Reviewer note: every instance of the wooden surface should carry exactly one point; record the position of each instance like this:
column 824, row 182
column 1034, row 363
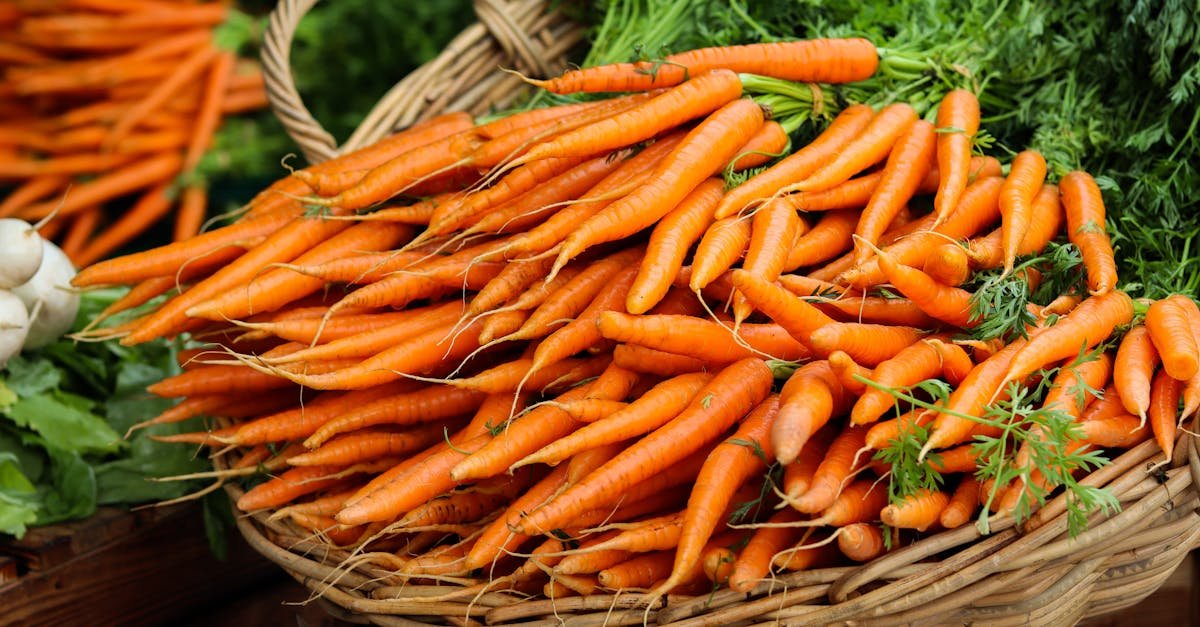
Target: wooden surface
column 119, row 568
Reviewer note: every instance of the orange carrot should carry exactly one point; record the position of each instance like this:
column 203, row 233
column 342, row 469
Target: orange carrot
column 716, row 407
column 1093, row 321
column 840, row 460
column 774, row 228
column 911, row 158
column 799, row 318
column 811, row 60
column 914, row 364
column 1016, row 201
column 648, row 412
column 152, row 206
column 870, row 147
column 702, row 339
column 1134, row 369
column 957, row 124
column 868, row 344
column 731, row 463
column 811, row 396
column 962, row 504
column 831, row 236
column 852, row 120
column 669, row 244
column 1086, row 226
column 861, row 542
column 917, row 511
column 722, row 245
column 1171, row 334
column 697, row 97
column 1164, row 410
column 702, row 153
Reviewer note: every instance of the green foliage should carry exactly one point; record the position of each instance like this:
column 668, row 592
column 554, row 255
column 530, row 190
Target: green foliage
column 61, row 453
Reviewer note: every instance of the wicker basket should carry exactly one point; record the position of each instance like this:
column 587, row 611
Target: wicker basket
column 1035, row 574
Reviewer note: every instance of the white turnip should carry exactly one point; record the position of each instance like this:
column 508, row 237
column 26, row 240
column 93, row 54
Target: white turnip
column 49, row 297
column 20, row 252
column 14, row 326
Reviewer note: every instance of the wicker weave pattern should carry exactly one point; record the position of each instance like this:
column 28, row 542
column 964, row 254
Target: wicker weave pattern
column 465, row 76
column 1033, row 575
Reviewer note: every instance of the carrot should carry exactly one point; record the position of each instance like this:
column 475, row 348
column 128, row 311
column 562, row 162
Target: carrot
column 882, row 433
column 1164, row 410
column 731, row 463
column 695, row 98
column 978, row 208
column 414, row 322
column 702, row 153
column 501, row 324
column 951, row 305
column 956, row 364
column 811, row 396
column 852, row 120
column 1093, row 321
column 496, row 539
column 152, row 206
column 425, row 405
column 799, row 318
column 289, row 486
column 669, row 244
column 421, row 480
column 716, row 407
column 186, row 71
column 1171, row 333
column 1016, row 201
column 1122, row 431
column 846, row 369
column 575, row 296
column 831, row 236
column 797, row 476
column 590, row 559
column 702, row 339
column 911, row 158
column 812, row 60
column 962, row 503
column 771, row 141
column 917, row 511
column 654, row 534
column 592, row 409
column 650, row 411
column 209, row 114
column 366, row 445
column 723, row 243
column 81, row 229
column 633, row 172
column 1084, row 207
column 468, row 505
column 861, row 542
column 534, row 206
column 856, row 192
column 507, row 376
column 970, row 398
column 753, row 563
column 1108, row 405
column 1134, row 368
column 111, row 184
column 957, row 124
column 868, row 344
column 533, row 431
column 878, row 310
column 173, row 258
column 279, row 287
column 919, row 361
column 860, row 501
column 32, row 190
column 774, row 228
column 839, row 461
column 652, row 361
column 637, row 572
column 948, row 265
column 1191, row 388
column 868, row 148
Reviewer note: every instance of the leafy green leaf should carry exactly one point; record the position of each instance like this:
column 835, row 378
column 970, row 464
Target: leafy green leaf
column 127, row 480
column 58, row 419
column 218, row 520
column 27, row 377
column 71, row 493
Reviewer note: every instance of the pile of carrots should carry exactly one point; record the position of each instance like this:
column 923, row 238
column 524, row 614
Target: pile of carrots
column 581, row 363
column 107, row 107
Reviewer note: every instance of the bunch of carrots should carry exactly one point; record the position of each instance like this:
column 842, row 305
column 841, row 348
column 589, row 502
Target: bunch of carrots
column 107, row 107
column 582, row 361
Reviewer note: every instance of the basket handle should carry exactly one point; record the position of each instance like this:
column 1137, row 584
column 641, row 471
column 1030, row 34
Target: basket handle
column 504, row 24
